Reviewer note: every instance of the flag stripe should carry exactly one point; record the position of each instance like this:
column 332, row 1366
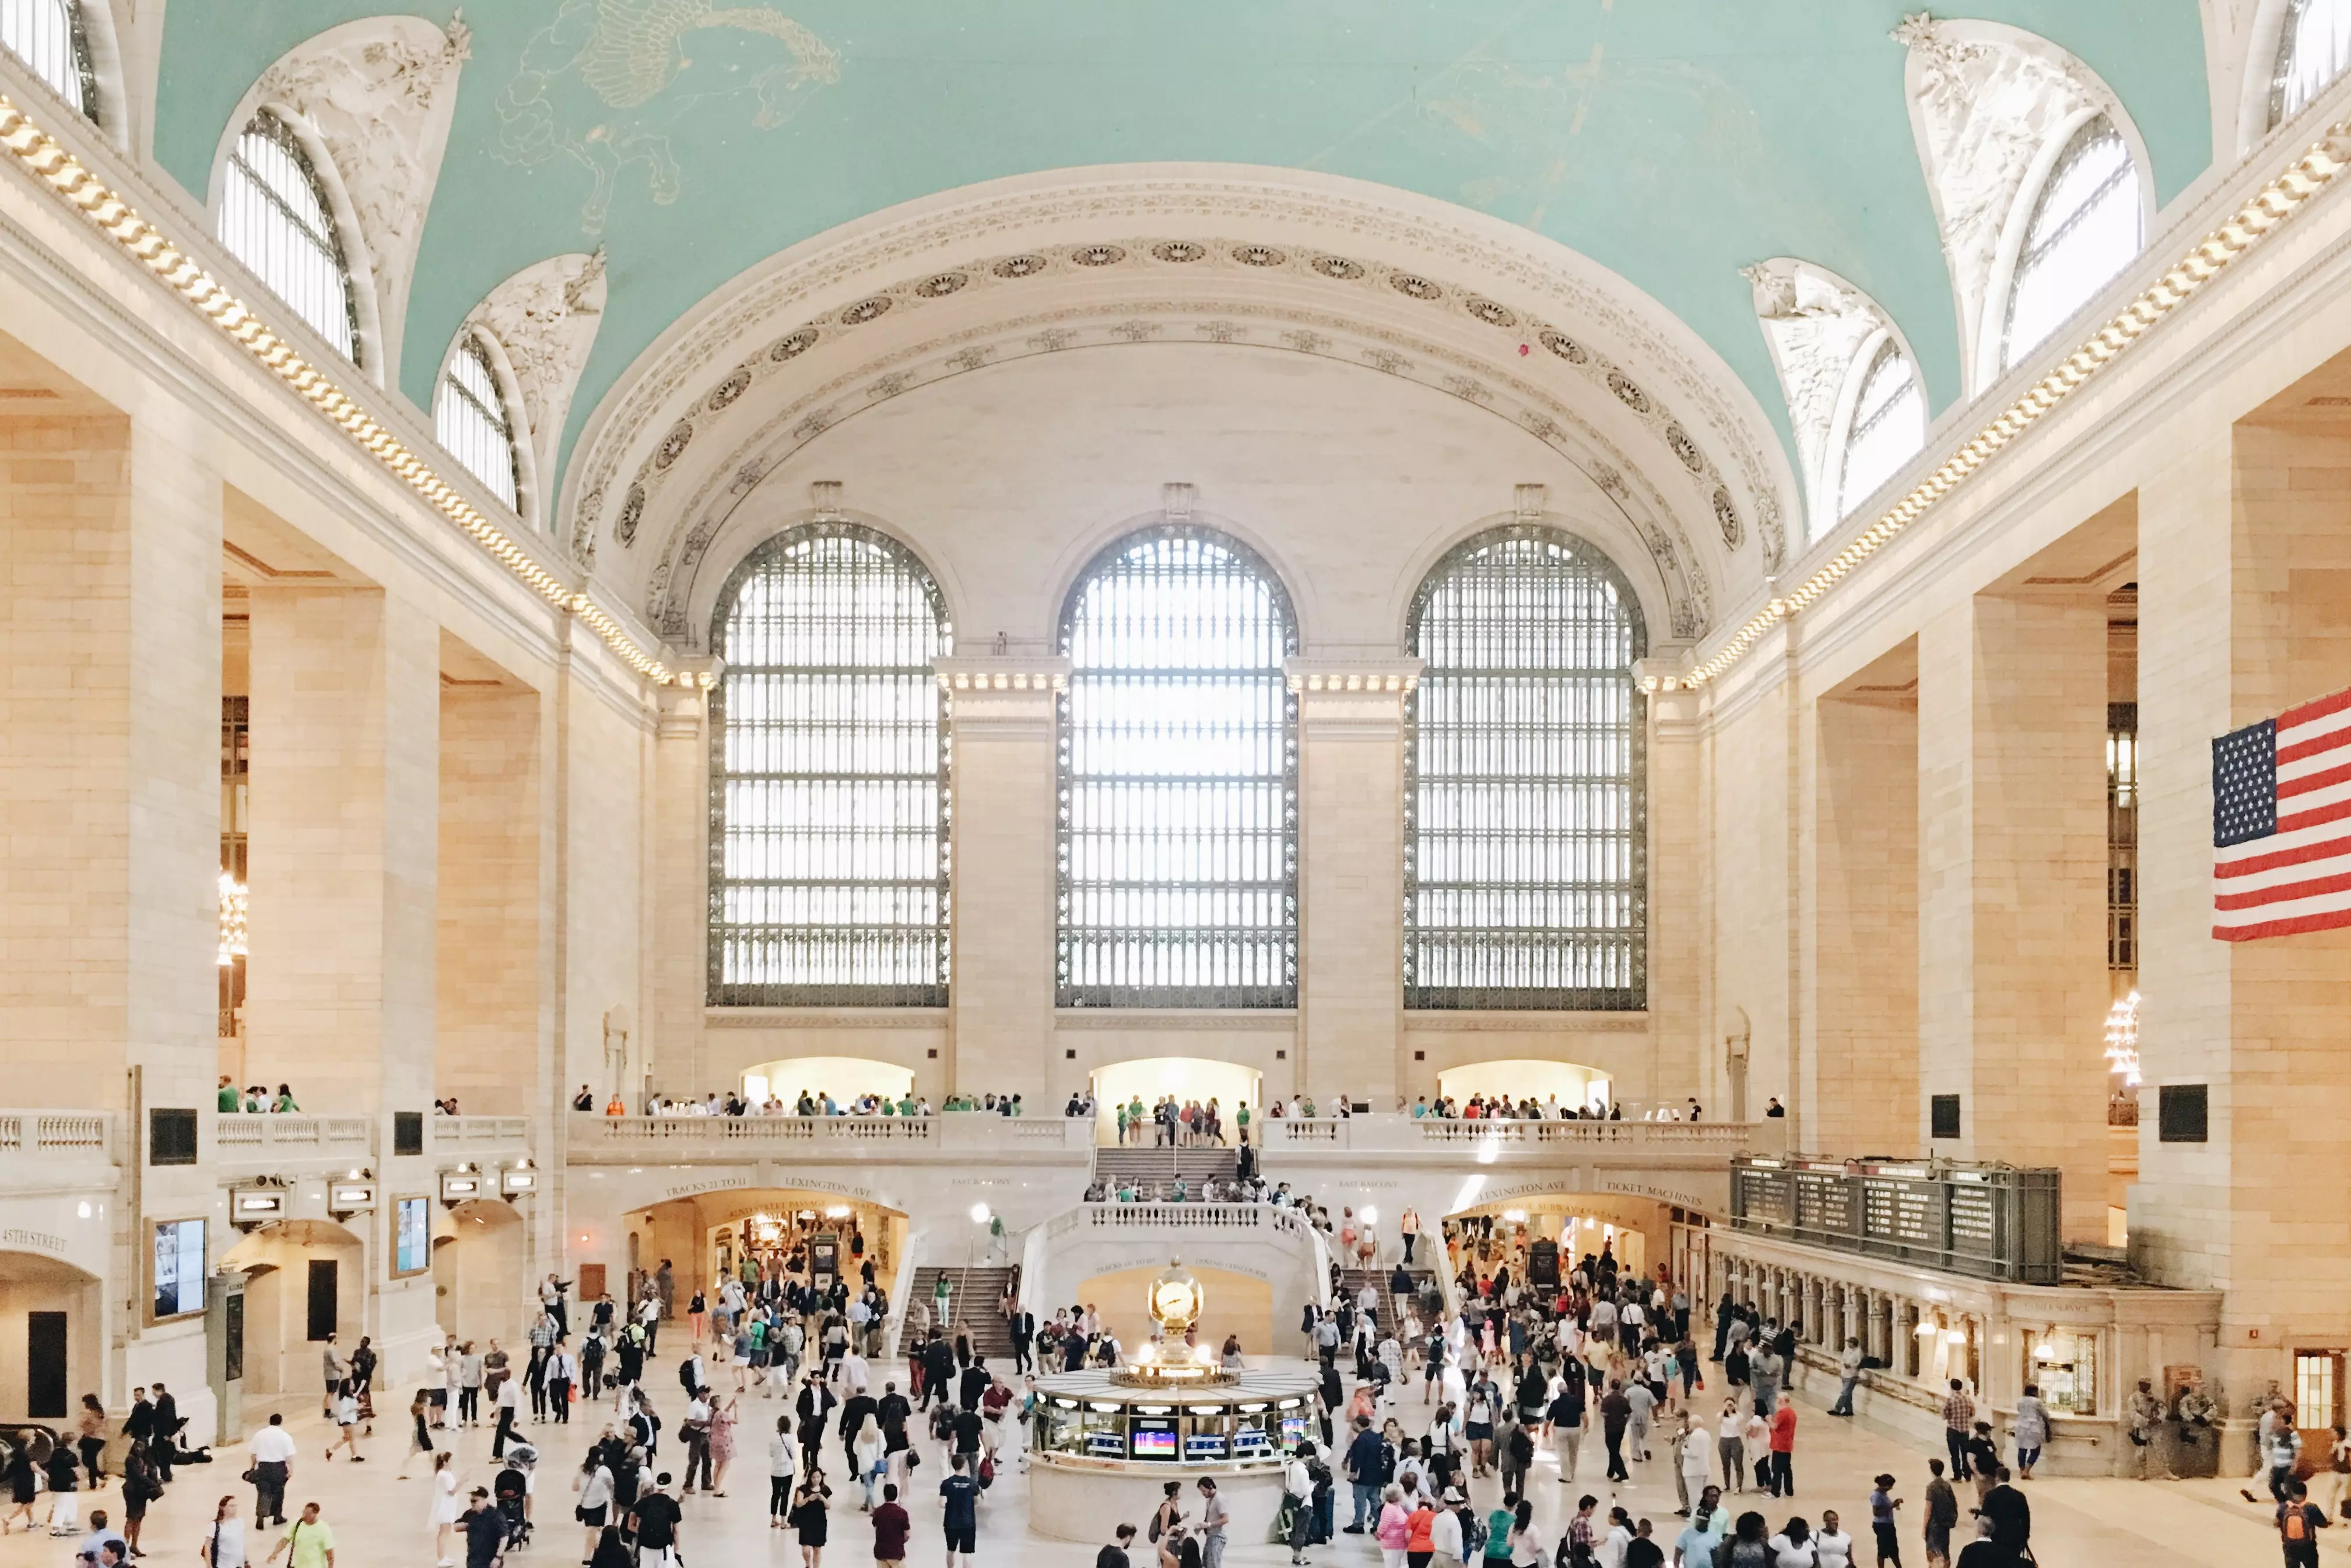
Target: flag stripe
column 2293, row 926
column 2282, row 824
column 2303, row 713
column 2284, row 892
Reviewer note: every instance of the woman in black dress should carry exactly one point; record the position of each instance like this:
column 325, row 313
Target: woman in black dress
column 809, row 1516
column 138, row 1489
column 23, row 1487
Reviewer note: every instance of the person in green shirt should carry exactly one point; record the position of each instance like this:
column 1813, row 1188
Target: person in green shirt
column 1122, row 1124
column 1240, row 1116
column 228, row 1095
column 906, row 1106
column 285, row 1100
column 307, row 1542
column 1134, row 1117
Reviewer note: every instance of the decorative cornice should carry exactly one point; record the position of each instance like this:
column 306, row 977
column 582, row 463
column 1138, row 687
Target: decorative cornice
column 2242, row 231
column 71, row 182
column 1400, row 675
column 1001, row 672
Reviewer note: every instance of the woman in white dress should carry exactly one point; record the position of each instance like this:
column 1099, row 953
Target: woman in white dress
column 445, row 1504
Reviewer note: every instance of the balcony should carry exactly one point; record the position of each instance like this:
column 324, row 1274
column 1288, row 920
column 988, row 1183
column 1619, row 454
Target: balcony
column 262, row 1143
column 56, row 1151
column 1695, row 1145
column 483, row 1141
column 947, row 1137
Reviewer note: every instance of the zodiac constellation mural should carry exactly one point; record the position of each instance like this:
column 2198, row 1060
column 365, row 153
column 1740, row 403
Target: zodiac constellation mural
column 589, row 82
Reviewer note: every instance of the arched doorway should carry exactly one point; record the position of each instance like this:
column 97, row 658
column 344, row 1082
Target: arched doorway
column 478, row 1254
column 1150, row 1079
column 1572, row 1085
column 305, row 1279
column 50, row 1351
column 844, row 1078
column 741, row 1230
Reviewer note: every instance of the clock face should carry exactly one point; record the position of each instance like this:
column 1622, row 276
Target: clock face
column 1171, row 1299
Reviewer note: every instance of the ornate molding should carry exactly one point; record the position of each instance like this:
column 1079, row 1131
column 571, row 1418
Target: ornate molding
column 1984, row 101
column 381, row 93
column 1815, row 324
column 546, row 317
column 730, row 481
column 1398, row 675
column 1664, row 366
column 1001, row 672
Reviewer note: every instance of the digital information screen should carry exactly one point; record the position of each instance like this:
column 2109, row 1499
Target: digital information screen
column 1107, row 1444
column 1153, row 1437
column 1250, row 1442
column 1205, row 1446
column 411, row 1250
column 1293, row 1432
column 179, row 1267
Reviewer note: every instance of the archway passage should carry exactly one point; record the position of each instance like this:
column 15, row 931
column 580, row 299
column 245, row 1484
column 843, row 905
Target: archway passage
column 1228, row 1085
column 1633, row 1232
column 478, row 1253
column 751, row 1232
column 305, row 1279
column 841, row 1078
column 49, row 1347
column 1566, row 1083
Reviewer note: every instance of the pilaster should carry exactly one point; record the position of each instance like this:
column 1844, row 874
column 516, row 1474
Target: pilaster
column 681, row 899
column 1351, row 874
column 1001, row 714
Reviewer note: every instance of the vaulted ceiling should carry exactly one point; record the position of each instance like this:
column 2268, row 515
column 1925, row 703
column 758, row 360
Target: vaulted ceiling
column 1672, row 142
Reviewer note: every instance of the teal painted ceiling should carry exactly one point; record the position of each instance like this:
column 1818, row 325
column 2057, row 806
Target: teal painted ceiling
column 1673, row 140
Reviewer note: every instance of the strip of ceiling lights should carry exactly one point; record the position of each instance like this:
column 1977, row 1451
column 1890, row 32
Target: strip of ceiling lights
column 72, row 181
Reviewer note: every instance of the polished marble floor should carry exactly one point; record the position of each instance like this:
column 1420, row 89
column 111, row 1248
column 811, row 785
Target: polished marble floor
column 379, row 1519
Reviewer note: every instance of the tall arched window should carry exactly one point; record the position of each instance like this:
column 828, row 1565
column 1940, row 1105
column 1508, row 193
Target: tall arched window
column 1889, row 425
column 274, row 218
column 2314, row 49
column 829, row 776
column 1526, row 873
column 48, row 36
column 471, row 420
column 1179, row 779
column 2086, row 226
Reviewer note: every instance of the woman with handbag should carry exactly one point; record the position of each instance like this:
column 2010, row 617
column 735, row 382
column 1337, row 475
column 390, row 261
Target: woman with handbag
column 139, row 1489
column 808, row 1518
column 224, row 1544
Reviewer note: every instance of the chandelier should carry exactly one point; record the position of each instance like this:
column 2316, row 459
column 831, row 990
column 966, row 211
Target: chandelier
column 232, row 920
column 2122, row 1040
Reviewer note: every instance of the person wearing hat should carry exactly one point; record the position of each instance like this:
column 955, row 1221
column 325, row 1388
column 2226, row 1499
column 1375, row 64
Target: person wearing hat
column 486, row 1531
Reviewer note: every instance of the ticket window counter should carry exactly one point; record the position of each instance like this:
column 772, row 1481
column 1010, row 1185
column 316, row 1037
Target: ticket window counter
column 1240, row 1432
column 2064, row 1365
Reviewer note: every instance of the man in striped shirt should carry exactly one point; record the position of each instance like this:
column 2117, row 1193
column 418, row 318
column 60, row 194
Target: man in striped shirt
column 1959, row 1425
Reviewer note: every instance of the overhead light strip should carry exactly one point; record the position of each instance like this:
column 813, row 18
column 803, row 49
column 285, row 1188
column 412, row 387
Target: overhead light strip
column 67, row 177
column 2251, row 223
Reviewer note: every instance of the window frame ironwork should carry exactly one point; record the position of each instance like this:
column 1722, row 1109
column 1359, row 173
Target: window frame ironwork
column 1070, row 936
column 2033, row 249
column 2282, row 71
column 1631, row 997
column 929, row 991
column 1886, row 359
column 325, row 237
column 496, row 422
column 74, row 40
column 2122, row 837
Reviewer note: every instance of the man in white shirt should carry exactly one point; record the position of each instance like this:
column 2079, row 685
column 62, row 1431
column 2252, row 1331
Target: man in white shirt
column 1298, row 1483
column 273, row 1464
column 851, row 1376
column 1695, row 1450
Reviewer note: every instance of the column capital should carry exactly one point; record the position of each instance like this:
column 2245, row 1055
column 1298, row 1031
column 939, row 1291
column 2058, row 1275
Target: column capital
column 1001, row 672
column 1395, row 674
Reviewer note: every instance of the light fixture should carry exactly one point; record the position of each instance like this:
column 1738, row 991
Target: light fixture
column 1955, row 1336
column 1926, row 1329
column 1371, row 1215
column 2045, row 1350
column 1515, row 1215
column 979, row 1214
column 250, row 1207
column 232, row 907
column 2122, row 1040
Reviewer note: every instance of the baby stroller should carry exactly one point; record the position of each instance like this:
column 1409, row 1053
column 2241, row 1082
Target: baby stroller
column 510, row 1492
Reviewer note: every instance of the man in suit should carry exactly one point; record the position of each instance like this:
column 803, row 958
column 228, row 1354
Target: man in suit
column 1024, row 1333
column 168, row 1422
column 816, row 1404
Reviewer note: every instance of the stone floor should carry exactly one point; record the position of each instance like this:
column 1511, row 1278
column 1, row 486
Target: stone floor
column 382, row 1520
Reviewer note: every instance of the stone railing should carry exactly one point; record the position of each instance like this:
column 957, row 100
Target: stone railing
column 947, row 1135
column 55, row 1133
column 474, row 1132
column 1453, row 1139
column 242, row 1132
column 1226, row 1217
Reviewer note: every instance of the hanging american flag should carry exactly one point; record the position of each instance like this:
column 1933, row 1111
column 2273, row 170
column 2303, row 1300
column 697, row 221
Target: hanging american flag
column 2282, row 824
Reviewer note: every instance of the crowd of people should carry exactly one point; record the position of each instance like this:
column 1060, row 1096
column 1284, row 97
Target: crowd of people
column 254, row 1098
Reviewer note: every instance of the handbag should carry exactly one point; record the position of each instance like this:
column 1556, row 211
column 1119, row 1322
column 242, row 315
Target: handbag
column 252, row 1475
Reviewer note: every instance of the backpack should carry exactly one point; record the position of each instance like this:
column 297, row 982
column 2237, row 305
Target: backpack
column 1496, row 1532
column 1473, row 1535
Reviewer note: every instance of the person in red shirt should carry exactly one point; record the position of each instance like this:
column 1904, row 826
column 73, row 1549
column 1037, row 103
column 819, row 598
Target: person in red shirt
column 1783, row 1451
column 890, row 1527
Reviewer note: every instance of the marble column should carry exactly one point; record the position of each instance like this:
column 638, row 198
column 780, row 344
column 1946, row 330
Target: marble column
column 1002, row 709
column 1351, row 876
column 679, row 875
column 344, row 847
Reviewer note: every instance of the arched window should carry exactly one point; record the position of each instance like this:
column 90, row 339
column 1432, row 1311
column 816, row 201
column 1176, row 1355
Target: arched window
column 1178, row 842
column 1526, row 873
column 2086, row 226
column 274, row 218
column 471, row 420
column 828, row 777
column 1889, row 426
column 48, row 36
column 2314, row 49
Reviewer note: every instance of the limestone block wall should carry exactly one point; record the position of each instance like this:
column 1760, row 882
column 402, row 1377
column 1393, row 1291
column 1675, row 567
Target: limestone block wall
column 486, row 971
